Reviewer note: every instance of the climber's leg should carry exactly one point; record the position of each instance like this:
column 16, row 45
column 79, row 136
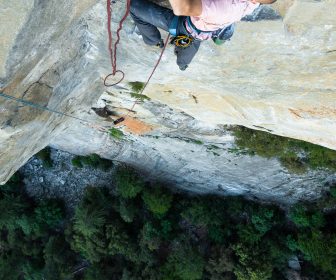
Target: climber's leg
column 185, row 55
column 147, row 17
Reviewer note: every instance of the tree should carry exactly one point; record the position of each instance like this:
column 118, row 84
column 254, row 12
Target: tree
column 107, row 270
column 221, row 264
column 150, row 236
column 12, row 208
column 204, row 211
column 320, row 249
column 60, row 261
column 302, row 217
column 262, row 219
column 127, row 210
column 129, row 185
column 254, row 263
column 157, row 200
column 90, row 218
column 120, row 242
column 184, row 263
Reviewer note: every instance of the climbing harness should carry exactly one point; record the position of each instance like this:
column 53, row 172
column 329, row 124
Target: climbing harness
column 113, row 54
column 182, row 41
column 179, row 40
column 173, row 26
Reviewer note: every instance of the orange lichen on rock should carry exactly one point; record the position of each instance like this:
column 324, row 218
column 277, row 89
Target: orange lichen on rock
column 136, row 126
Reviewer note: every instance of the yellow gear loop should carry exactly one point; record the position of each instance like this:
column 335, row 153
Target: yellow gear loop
column 182, row 41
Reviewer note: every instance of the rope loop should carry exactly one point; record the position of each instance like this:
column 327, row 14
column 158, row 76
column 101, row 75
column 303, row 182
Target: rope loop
column 113, row 53
column 113, row 48
column 112, row 75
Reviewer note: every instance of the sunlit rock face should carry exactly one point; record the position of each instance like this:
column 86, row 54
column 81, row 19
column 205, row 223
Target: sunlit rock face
column 278, row 73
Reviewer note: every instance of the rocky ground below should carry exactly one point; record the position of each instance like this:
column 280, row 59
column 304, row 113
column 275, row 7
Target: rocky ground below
column 63, row 179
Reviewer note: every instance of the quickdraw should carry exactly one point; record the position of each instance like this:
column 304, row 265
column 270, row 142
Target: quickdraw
column 182, row 41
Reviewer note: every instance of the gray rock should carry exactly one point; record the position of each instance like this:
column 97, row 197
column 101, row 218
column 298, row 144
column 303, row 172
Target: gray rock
column 274, row 75
column 294, row 263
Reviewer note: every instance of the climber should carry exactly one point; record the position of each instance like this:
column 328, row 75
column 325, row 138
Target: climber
column 190, row 22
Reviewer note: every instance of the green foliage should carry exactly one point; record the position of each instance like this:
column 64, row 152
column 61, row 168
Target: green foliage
column 93, row 161
column 12, row 209
column 300, row 215
column 295, row 155
column 31, row 272
column 293, row 162
column 196, row 213
column 320, row 249
column 120, row 242
column 140, row 97
column 89, row 220
column 217, row 234
column 264, row 272
column 157, row 200
column 248, row 234
column 47, row 215
column 185, row 263
column 291, row 243
column 26, row 228
column 91, row 215
column 76, row 162
column 333, row 191
column 49, row 212
column 158, row 236
column 127, row 210
column 194, row 141
column 10, row 265
column 317, row 219
column 262, row 220
column 136, row 86
column 204, row 211
column 153, row 234
column 129, row 184
column 253, row 263
column 60, row 261
column 103, row 271
column 116, row 133
column 221, row 264
column 198, row 142
column 150, row 236
column 45, row 156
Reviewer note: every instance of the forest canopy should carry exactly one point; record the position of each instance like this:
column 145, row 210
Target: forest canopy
column 145, row 231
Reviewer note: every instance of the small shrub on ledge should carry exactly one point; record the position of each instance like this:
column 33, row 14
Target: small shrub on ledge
column 92, row 160
column 116, row 133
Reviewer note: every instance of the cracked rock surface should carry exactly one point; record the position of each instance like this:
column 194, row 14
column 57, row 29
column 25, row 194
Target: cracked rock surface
column 276, row 74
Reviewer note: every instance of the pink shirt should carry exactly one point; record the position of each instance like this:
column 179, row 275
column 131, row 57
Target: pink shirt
column 218, row 14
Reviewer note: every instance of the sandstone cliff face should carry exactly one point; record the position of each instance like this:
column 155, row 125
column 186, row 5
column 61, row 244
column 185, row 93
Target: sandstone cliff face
column 277, row 75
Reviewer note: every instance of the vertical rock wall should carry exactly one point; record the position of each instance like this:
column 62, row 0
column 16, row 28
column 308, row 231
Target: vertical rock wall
column 276, row 75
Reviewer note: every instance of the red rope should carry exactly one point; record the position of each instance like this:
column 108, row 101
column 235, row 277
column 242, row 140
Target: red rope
column 151, row 75
column 113, row 52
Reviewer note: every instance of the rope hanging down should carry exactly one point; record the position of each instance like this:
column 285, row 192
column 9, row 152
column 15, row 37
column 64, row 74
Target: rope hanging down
column 151, row 75
column 113, row 57
column 113, row 53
